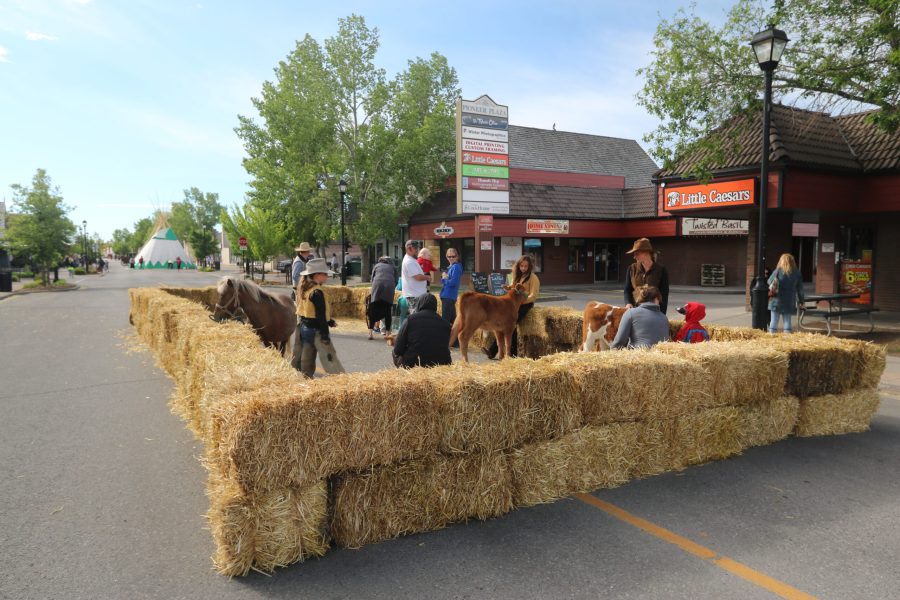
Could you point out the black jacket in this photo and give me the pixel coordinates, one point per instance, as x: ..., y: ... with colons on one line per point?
x: 424, y: 338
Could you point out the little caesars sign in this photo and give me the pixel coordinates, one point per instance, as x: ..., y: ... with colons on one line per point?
x: 482, y: 157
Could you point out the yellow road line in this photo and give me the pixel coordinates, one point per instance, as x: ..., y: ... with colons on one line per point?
x: 723, y: 562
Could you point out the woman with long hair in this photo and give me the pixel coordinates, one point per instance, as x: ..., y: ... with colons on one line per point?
x: 522, y: 272
x: 313, y: 334
x: 785, y: 290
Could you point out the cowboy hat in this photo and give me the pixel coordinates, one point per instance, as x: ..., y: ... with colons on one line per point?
x: 316, y: 265
x: 303, y: 247
x: 642, y: 245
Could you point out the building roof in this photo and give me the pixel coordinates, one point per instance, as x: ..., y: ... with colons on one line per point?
x: 549, y: 150
x: 802, y: 137
x: 531, y: 200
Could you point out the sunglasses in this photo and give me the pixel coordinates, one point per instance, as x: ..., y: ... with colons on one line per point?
x: 451, y: 256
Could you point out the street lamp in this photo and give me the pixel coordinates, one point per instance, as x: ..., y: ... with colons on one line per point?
x: 84, y: 245
x: 342, y: 186
x: 768, y: 46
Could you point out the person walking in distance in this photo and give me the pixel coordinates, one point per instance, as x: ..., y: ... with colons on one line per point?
x: 313, y: 335
x: 785, y: 289
x: 415, y: 282
x: 646, y: 271
x: 384, y: 279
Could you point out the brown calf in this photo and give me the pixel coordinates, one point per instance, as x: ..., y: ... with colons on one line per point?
x: 601, y: 322
x: 490, y: 313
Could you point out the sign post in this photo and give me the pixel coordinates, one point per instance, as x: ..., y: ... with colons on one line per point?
x: 242, y: 244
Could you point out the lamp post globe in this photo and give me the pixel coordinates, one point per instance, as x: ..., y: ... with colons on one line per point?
x: 84, y: 245
x: 342, y: 187
x: 768, y: 46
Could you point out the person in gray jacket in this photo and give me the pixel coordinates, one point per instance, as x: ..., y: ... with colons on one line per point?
x: 384, y: 280
x: 644, y: 325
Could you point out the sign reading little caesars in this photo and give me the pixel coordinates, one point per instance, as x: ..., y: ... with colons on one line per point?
x: 723, y: 194
x: 482, y: 157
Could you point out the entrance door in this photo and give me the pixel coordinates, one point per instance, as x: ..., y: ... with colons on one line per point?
x: 606, y: 262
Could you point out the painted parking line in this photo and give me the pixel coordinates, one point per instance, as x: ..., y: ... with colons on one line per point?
x: 779, y: 588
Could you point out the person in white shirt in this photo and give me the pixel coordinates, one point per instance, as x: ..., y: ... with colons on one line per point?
x: 415, y: 281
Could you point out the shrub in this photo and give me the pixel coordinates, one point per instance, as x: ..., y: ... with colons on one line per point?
x: 25, y: 274
x: 15, y: 277
x: 79, y: 270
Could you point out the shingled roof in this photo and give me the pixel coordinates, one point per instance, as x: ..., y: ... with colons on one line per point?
x: 548, y: 150
x: 801, y: 137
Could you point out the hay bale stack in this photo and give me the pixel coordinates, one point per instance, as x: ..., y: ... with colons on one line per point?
x: 656, y: 452
x: 741, y: 372
x: 499, y: 406
x: 818, y: 364
x: 338, y: 299
x: 206, y: 296
x: 421, y: 495
x: 724, y: 333
x: 580, y: 461
x: 708, y: 434
x: 268, y: 530
x: 834, y: 414
x: 871, y: 360
x: 765, y: 422
x: 292, y: 436
x: 634, y: 385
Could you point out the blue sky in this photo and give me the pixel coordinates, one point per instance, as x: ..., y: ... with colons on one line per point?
x: 126, y: 103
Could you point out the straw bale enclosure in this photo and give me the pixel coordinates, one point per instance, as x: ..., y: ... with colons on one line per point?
x: 298, y: 465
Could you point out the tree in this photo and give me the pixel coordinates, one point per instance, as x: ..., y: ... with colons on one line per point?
x: 194, y: 219
x: 843, y: 55
x: 41, y: 230
x: 265, y: 232
x: 143, y: 229
x: 331, y: 114
x: 121, y: 242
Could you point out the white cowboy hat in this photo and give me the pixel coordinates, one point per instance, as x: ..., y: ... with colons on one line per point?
x: 303, y: 247
x: 316, y: 265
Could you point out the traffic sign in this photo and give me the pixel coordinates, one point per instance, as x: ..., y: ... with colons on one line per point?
x: 242, y: 242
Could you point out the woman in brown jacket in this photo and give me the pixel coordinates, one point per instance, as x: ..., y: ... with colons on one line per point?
x: 646, y: 271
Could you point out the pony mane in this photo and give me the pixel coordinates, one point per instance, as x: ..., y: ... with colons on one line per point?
x: 256, y: 293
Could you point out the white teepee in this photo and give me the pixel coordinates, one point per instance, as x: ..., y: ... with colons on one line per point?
x: 164, y: 248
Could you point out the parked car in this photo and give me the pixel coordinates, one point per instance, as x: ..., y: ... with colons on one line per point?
x: 284, y: 266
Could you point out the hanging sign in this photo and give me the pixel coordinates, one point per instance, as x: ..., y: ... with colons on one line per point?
x: 713, y: 227
x: 444, y: 230
x: 538, y: 226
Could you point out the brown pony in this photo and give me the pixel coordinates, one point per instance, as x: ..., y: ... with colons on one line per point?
x: 272, y: 316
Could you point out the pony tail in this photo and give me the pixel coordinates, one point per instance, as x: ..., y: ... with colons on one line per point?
x: 306, y: 284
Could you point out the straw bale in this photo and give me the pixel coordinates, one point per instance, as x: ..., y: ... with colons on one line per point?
x: 268, y: 530
x: 818, y: 364
x: 742, y: 372
x: 206, y: 296
x: 766, y: 422
x: 534, y: 324
x: 536, y: 346
x: 708, y: 434
x: 420, y: 495
x: 498, y: 406
x: 871, y: 360
x: 656, y: 452
x: 581, y: 461
x: 724, y: 333
x: 632, y: 385
x: 837, y: 413
x: 290, y: 436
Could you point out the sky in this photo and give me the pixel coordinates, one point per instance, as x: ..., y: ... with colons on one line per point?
x: 126, y: 103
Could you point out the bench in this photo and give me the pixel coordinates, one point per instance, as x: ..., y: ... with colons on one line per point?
x: 840, y: 313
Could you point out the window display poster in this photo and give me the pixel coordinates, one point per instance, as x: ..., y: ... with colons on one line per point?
x: 856, y: 278
x: 510, y: 251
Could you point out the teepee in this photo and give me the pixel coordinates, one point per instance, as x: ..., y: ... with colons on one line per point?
x: 164, y: 248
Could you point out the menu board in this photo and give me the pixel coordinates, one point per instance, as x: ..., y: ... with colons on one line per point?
x: 480, y: 283
x: 498, y: 280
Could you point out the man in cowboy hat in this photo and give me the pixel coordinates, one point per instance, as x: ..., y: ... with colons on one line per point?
x: 646, y: 271
x: 303, y: 255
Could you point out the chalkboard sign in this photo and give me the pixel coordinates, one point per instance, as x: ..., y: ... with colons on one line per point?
x: 480, y: 283
x: 498, y: 280
x: 712, y: 275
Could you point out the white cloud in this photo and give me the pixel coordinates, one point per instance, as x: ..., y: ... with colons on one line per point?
x: 34, y: 36
x: 179, y: 134
x: 3, y: 55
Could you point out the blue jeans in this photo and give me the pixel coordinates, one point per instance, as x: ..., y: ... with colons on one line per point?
x: 773, y: 325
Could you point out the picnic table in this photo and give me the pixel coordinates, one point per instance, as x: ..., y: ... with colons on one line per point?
x: 836, y: 309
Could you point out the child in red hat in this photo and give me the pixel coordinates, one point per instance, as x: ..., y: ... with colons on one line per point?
x: 692, y: 331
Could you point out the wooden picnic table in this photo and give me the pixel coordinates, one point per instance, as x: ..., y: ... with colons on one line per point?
x: 835, y: 308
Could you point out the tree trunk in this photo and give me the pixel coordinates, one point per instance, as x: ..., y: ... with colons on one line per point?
x: 366, y: 265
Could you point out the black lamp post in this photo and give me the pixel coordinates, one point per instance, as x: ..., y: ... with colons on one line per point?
x: 84, y: 245
x: 342, y: 186
x: 768, y: 46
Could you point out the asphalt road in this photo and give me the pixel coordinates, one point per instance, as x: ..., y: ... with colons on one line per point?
x: 102, y: 495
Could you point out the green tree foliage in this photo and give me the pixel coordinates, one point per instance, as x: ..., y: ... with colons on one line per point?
x: 332, y: 114
x: 121, y: 242
x: 265, y: 232
x: 143, y: 229
x: 194, y: 219
x: 41, y: 229
x: 843, y: 55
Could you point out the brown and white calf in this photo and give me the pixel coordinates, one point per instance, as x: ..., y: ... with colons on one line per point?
x: 489, y: 313
x: 600, y: 323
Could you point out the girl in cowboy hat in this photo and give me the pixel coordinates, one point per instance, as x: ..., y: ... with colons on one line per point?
x: 646, y: 271
x: 313, y: 336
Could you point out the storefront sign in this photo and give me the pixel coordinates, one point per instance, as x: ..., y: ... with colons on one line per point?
x: 482, y: 171
x: 483, y: 146
x: 714, y: 227
x: 713, y: 195
x: 856, y: 278
x: 487, y: 245
x: 484, y: 105
x: 491, y: 184
x: 538, y: 226
x: 490, y: 208
x: 444, y: 230
x: 485, y: 223
x: 483, y: 158
x: 480, y: 133
x: 471, y: 120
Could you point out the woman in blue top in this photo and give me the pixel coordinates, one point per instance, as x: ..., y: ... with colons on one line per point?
x: 787, y: 286
x: 450, y: 281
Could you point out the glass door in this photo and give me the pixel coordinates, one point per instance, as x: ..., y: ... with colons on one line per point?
x: 606, y: 262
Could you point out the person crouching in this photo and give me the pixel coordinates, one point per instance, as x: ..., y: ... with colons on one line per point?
x: 692, y: 331
x: 424, y: 337
x: 313, y: 336
x: 644, y: 325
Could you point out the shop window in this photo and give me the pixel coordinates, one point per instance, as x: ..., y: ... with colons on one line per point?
x: 577, y: 256
x: 533, y: 247
x: 466, y: 249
